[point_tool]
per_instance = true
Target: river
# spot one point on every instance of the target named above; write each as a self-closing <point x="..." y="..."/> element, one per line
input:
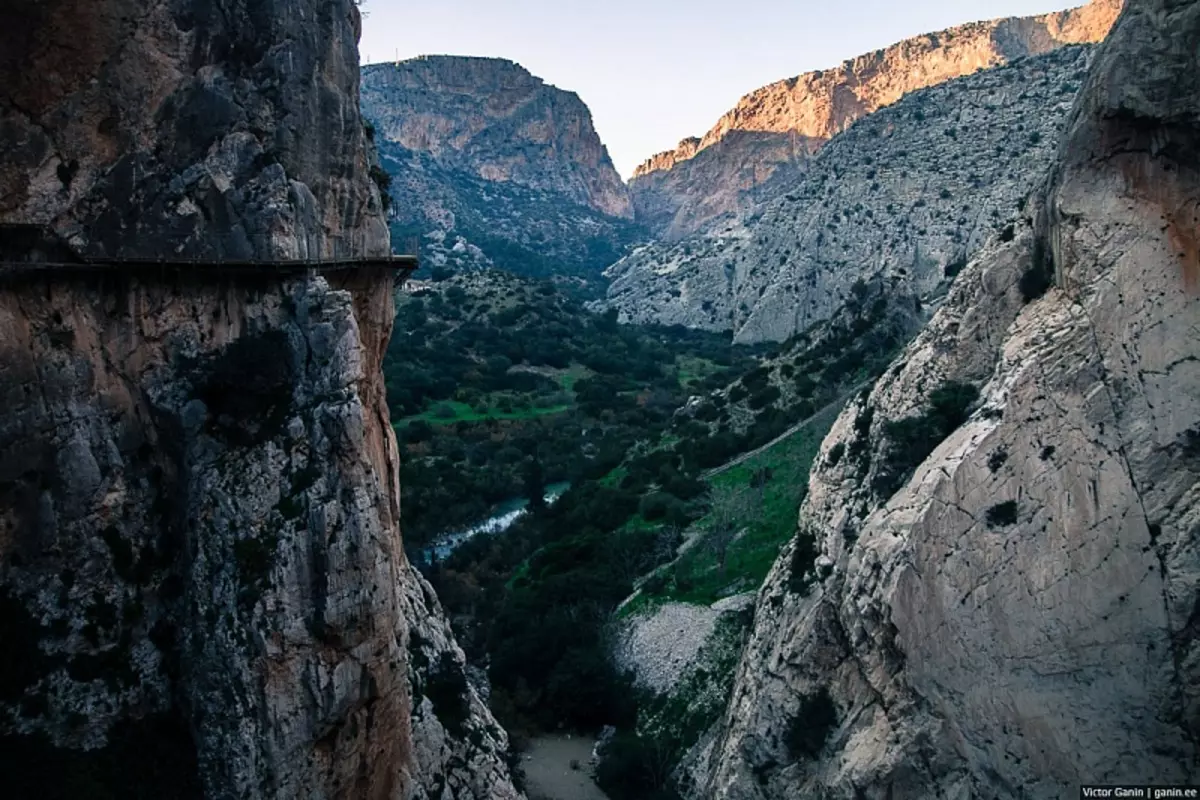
<point x="506" y="514"/>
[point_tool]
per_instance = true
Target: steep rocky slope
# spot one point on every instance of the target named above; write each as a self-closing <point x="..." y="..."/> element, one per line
<point x="134" y="127"/>
<point x="202" y="586"/>
<point x="906" y="195"/>
<point x="480" y="149"/>
<point x="1008" y="606"/>
<point x="767" y="136"/>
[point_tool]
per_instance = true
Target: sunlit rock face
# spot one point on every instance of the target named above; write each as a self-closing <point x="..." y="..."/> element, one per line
<point x="492" y="117"/>
<point x="766" y="139"/>
<point x="493" y="167"/>
<point x="1016" y="614"/>
<point x="906" y="195"/>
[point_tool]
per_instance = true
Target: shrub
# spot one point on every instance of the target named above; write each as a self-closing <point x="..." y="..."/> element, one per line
<point x="912" y="439"/>
<point x="446" y="688"/>
<point x="1040" y="276"/>
<point x="384" y="181"/>
<point x="654" y="506"/>
<point x="811" y="725"/>
<point x="765" y="397"/>
<point x="804" y="556"/>
<point x="756" y="378"/>
<point x="835" y="454"/>
<point x="636" y="767"/>
<point x="1003" y="514"/>
<point x="805" y="386"/>
<point x="955" y="267"/>
<point x="444" y="411"/>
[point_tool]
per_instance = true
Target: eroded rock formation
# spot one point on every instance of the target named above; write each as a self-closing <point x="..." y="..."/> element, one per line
<point x="207" y="127"/>
<point x="767" y="137"/>
<point x="202" y="585"/>
<point x="492" y="166"/>
<point x="1008" y="607"/>
<point x="907" y="195"/>
<point x="491" y="117"/>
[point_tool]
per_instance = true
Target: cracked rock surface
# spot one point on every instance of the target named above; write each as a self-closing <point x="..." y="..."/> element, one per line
<point x="1020" y="614"/>
<point x="203" y="590"/>
<point x="199" y="519"/>
<point x="195" y="128"/>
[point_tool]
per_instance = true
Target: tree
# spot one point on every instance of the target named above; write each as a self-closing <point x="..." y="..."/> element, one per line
<point x="535" y="484"/>
<point x="729" y="509"/>
<point x="759" y="480"/>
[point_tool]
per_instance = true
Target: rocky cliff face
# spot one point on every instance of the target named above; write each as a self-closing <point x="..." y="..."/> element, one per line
<point x="907" y="195"/>
<point x="202" y="586"/>
<point x="491" y="117"/>
<point x="978" y="584"/>
<point x="226" y="128"/>
<point x="768" y="136"/>
<point x="481" y="149"/>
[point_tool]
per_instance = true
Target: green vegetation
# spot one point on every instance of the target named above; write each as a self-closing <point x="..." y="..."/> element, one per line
<point x="488" y="376"/>
<point x="452" y="411"/>
<point x="1002" y="514"/>
<point x="645" y="466"/>
<point x="909" y="441"/>
<point x="735" y="555"/>
<point x="638" y="764"/>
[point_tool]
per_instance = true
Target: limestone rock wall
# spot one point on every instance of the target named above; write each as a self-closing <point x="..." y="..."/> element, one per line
<point x="492" y="118"/>
<point x="492" y="167"/>
<point x="1018" y="615"/>
<point x="792" y="118"/>
<point x="907" y="195"/>
<point x="198" y="127"/>
<point x="200" y="518"/>
<point x="202" y="585"/>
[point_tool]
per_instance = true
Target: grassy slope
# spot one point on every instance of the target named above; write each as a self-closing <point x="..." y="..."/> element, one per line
<point x="695" y="577"/>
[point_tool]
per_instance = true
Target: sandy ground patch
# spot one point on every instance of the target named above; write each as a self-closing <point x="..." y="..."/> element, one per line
<point x="548" y="773"/>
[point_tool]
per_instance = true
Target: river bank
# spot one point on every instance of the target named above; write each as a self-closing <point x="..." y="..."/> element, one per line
<point x="506" y="514"/>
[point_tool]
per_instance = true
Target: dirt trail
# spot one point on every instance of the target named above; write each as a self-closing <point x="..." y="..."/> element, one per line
<point x="839" y="403"/>
<point x="548" y="773"/>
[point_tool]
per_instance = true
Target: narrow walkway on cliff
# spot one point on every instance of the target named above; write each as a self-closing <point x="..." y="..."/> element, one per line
<point x="34" y="249"/>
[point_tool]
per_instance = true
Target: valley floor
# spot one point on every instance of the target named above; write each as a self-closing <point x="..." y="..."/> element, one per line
<point x="548" y="772"/>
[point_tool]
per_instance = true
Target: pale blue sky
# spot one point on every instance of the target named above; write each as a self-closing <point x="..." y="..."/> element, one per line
<point x="654" y="72"/>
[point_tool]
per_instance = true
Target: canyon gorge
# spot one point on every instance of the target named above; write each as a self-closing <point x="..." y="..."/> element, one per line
<point x="869" y="420"/>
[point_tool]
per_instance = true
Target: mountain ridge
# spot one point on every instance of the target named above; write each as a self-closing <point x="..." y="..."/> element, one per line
<point x="491" y="166"/>
<point x="804" y="111"/>
<point x="1002" y="530"/>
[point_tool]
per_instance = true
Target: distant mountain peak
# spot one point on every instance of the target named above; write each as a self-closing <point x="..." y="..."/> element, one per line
<point x="492" y="118"/>
<point x="795" y="116"/>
